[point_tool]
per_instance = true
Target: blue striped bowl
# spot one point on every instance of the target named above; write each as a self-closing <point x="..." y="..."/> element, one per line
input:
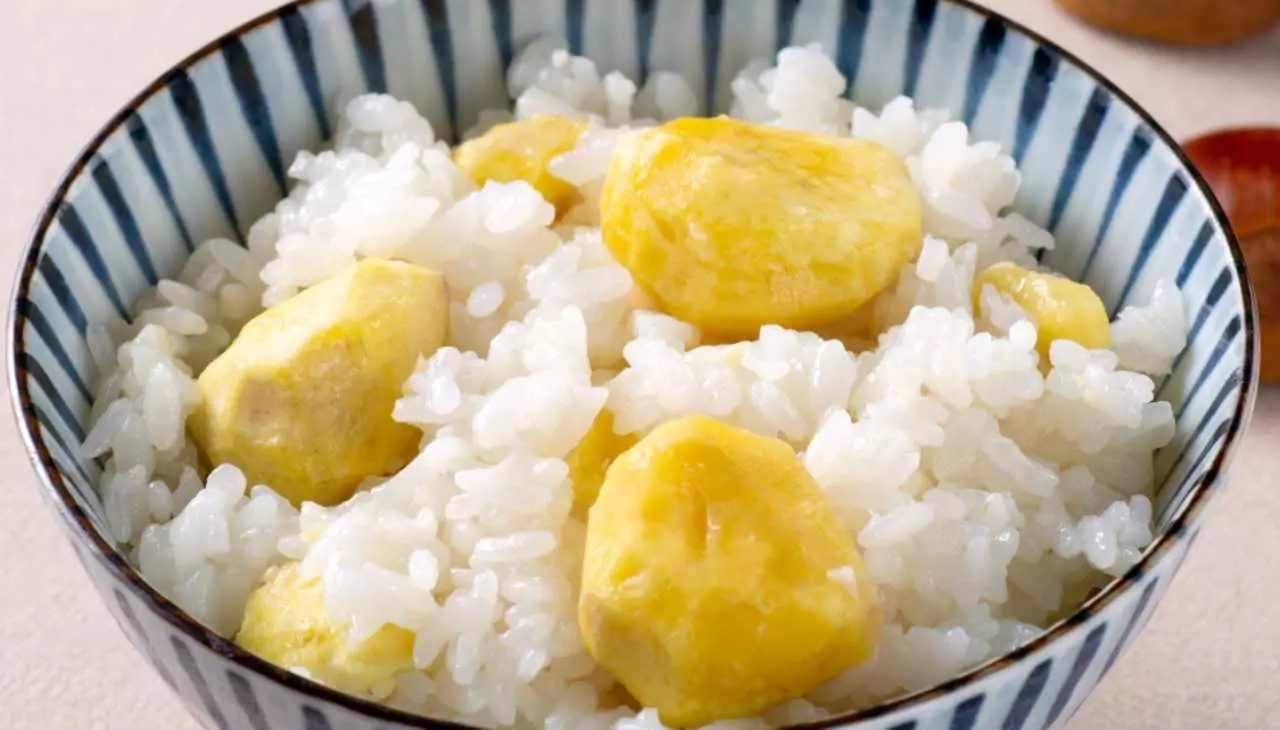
<point x="202" y="153"/>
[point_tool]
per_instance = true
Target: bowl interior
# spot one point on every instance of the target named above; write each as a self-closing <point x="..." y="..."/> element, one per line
<point x="205" y="151"/>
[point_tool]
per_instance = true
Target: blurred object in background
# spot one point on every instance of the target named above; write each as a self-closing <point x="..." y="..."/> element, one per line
<point x="1199" y="22"/>
<point x="1243" y="168"/>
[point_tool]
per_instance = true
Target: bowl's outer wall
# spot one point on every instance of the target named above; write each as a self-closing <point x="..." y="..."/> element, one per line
<point x="206" y="151"/>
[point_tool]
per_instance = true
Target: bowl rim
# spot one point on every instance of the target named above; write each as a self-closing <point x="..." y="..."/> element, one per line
<point x="117" y="564"/>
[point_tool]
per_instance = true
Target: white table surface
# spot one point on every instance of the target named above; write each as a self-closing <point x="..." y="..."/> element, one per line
<point x="1209" y="658"/>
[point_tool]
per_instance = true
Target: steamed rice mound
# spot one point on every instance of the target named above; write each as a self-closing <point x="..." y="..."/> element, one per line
<point x="988" y="495"/>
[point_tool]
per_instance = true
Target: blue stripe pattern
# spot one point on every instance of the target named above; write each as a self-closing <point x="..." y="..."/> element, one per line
<point x="1216" y="291"/>
<point x="364" y="26"/>
<point x="299" y="38"/>
<point x="785" y="22"/>
<point x="1081" y="144"/>
<point x="966" y="714"/>
<point x="70" y="460"/>
<point x="1083" y="662"/>
<point x="1210" y="443"/>
<point x="986" y="54"/>
<point x="75" y="229"/>
<point x="573" y="12"/>
<point x="126" y="612"/>
<point x="1174" y="191"/>
<point x="712" y="24"/>
<point x="53" y="278"/>
<point x="248" y="702"/>
<point x="1229" y="386"/>
<point x="1035" y="92"/>
<point x="187" y="662"/>
<point x="1027" y="697"/>
<point x="141" y="140"/>
<point x="1123" y="641"/>
<point x="40" y="377"/>
<point x="646" y="11"/>
<point x="215" y="138"/>
<point x="917" y="37"/>
<point x="47" y="333"/>
<point x="500" y="11"/>
<point x="1193" y="254"/>
<point x="253" y="105"/>
<point x="1133" y="154"/>
<point x="191" y="110"/>
<point x="849" y="47"/>
<point x="1220" y="350"/>
<point x="124" y="219"/>
<point x="437" y="15"/>
<point x="313" y="719"/>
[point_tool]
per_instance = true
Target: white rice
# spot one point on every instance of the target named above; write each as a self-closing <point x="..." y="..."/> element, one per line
<point x="987" y="497"/>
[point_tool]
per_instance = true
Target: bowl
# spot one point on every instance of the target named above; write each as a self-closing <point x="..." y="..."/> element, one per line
<point x="202" y="152"/>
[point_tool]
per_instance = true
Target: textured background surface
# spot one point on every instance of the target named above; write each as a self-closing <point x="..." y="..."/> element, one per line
<point x="1209" y="658"/>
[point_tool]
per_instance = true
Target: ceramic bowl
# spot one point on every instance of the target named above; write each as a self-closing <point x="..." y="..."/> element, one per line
<point x="203" y="151"/>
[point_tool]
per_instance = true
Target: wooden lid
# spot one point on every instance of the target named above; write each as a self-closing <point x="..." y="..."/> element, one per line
<point x="1199" y="22"/>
